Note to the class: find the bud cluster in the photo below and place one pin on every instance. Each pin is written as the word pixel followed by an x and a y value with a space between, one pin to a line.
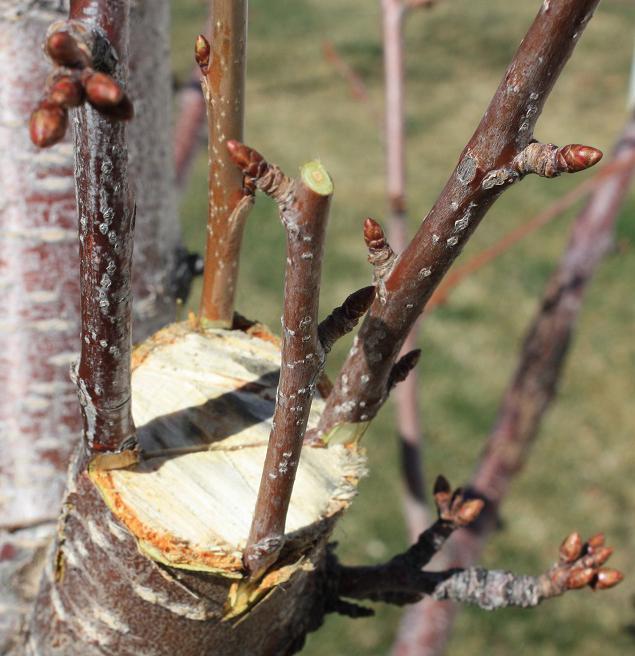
pixel 72 83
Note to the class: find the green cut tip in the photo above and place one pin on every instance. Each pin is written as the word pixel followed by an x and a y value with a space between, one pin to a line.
pixel 316 178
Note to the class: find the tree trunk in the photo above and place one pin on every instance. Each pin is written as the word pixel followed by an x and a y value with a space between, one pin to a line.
pixel 39 292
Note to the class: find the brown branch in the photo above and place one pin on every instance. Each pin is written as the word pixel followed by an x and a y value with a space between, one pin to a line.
pixel 106 222
pixel 505 131
pixel 303 205
pixel 534 385
pixel 223 68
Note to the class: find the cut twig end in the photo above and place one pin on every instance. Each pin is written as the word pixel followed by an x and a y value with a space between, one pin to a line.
pixel 316 178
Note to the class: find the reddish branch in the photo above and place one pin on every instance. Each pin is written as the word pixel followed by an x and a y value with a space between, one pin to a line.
pixel 534 384
pixel 503 134
pixel 106 222
pixel 187 128
pixel 408 412
pixel 401 580
pixel 223 66
pixel 303 204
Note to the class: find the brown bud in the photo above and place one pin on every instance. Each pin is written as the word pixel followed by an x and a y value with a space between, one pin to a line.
pixel 607 578
pixel 403 367
pixel 201 53
pixel 575 157
pixel 373 234
pixel 596 541
pixel 469 511
pixel 578 578
pixel 246 158
pixel 67 92
pixel 102 90
pixel 64 50
pixel 441 485
pixel 601 555
pixel 571 548
pixel 47 124
pixel 358 302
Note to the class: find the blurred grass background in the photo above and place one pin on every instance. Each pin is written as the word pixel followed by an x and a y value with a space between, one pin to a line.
pixel 580 473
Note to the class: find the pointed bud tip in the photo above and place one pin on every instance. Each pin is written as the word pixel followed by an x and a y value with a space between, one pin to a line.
pixel 578 157
pixel 596 541
pixel 372 231
pixel 608 578
pixel 47 125
pixel 201 52
pixel 441 485
pixel 571 548
pixel 243 155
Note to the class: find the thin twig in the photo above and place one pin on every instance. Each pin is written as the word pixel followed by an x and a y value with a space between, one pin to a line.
pixel 188 127
pixel 533 387
pixel 486 167
pixel 303 204
pixel 223 66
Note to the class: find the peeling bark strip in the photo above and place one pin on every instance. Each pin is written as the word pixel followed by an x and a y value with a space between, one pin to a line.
pixel 223 66
pixel 303 205
pixel 505 131
pixel 533 386
pixel 106 223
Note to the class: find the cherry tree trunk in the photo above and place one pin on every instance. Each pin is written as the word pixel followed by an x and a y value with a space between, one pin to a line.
pixel 39 280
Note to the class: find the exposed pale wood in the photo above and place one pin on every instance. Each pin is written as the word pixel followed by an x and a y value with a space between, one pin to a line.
pixel 203 403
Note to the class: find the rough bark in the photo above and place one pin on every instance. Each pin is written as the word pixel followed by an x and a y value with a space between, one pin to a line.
pixel 485 168
pixel 229 203
pixel 303 205
pixel 533 387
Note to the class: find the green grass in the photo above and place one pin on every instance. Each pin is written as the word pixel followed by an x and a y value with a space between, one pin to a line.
pixel 580 472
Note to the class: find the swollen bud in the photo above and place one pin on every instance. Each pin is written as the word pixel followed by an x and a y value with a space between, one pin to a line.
pixel 201 53
pixel 67 92
pixel 64 50
pixel 373 234
pixel 102 90
pixel 601 555
pixel 607 578
pixel 576 157
pixel 596 541
pixel 469 511
pixel 246 158
pixel 571 548
pixel 580 577
pixel 47 124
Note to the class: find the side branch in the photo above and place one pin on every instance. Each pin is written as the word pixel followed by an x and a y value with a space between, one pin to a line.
pixel 303 206
pixel 223 67
pixel 504 132
pixel 402 581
